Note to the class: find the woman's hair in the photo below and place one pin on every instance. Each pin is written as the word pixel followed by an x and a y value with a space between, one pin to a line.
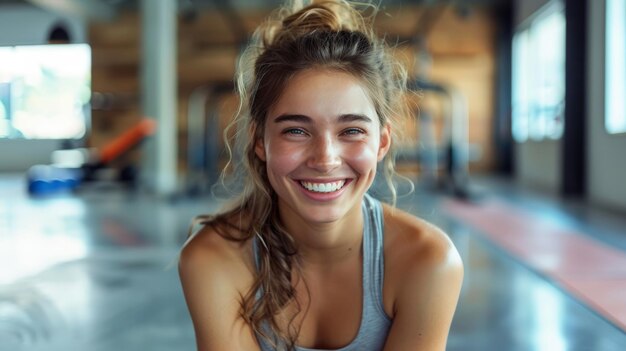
pixel 330 35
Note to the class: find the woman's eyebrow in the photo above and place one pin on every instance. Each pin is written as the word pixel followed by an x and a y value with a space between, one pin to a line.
pixel 353 117
pixel 345 118
pixel 293 118
pixel 348 117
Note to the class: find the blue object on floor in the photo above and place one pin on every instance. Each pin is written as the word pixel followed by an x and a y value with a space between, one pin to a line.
pixel 45 179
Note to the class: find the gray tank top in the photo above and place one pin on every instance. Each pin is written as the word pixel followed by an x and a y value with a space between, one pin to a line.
pixel 375 323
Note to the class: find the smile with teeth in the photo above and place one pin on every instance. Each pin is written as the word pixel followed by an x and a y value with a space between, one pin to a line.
pixel 323 187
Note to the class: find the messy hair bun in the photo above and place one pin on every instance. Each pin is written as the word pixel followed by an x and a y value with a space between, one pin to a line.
pixel 289 23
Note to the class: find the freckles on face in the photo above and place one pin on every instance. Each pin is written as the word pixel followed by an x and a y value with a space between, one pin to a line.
pixel 323 117
pixel 282 156
pixel 321 145
pixel 364 153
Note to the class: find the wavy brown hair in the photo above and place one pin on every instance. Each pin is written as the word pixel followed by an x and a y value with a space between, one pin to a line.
pixel 332 35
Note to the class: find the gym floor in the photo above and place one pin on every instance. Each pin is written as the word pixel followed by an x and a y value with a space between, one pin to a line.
pixel 96 270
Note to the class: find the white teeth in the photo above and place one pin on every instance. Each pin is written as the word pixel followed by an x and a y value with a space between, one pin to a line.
pixel 323 187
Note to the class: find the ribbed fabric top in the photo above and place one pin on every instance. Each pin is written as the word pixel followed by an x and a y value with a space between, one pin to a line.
pixel 375 323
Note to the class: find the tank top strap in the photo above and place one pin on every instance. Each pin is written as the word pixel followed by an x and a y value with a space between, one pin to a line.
pixel 373 254
pixel 255 251
pixel 257 263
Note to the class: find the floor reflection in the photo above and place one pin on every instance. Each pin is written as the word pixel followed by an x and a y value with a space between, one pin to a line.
pixel 547 313
pixel 36 235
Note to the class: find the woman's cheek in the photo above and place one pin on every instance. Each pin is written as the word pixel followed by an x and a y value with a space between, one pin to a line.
pixel 362 157
pixel 284 157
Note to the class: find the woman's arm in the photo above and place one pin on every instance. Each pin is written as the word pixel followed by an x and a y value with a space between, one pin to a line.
pixel 210 274
pixel 427 293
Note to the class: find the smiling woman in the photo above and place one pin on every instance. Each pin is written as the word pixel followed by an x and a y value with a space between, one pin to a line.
pixel 304 258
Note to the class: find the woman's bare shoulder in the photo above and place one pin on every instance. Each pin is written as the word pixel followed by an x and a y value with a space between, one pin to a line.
pixel 423 279
pixel 412 240
pixel 215 273
pixel 218 247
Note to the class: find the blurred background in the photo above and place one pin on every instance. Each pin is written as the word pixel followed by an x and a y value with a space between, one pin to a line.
pixel 111 122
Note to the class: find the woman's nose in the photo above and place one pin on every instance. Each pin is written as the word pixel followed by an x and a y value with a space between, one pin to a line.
pixel 324 155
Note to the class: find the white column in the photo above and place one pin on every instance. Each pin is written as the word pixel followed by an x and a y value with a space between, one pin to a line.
pixel 159 82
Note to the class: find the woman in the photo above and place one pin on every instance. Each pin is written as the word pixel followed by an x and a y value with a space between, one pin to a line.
pixel 304 259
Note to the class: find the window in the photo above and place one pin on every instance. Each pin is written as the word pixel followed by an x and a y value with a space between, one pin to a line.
pixel 45 91
pixel 538 89
pixel 615 88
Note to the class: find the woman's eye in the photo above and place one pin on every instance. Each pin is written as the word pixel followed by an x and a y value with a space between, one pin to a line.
pixel 294 131
pixel 353 131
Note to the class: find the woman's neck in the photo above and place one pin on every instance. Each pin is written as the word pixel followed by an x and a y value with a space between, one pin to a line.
pixel 325 244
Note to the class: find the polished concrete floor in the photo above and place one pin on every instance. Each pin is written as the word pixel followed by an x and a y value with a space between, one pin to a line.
pixel 95 271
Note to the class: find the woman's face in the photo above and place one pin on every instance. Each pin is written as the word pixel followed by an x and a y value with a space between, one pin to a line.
pixel 321 144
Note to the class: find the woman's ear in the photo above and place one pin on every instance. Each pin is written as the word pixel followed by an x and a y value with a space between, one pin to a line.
pixel 385 142
pixel 259 149
pixel 259 144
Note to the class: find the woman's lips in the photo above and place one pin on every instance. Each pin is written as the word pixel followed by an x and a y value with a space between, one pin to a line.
pixel 323 190
pixel 323 187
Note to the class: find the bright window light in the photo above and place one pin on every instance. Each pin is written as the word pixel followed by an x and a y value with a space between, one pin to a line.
pixel 538 89
pixel 45 91
pixel 615 90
